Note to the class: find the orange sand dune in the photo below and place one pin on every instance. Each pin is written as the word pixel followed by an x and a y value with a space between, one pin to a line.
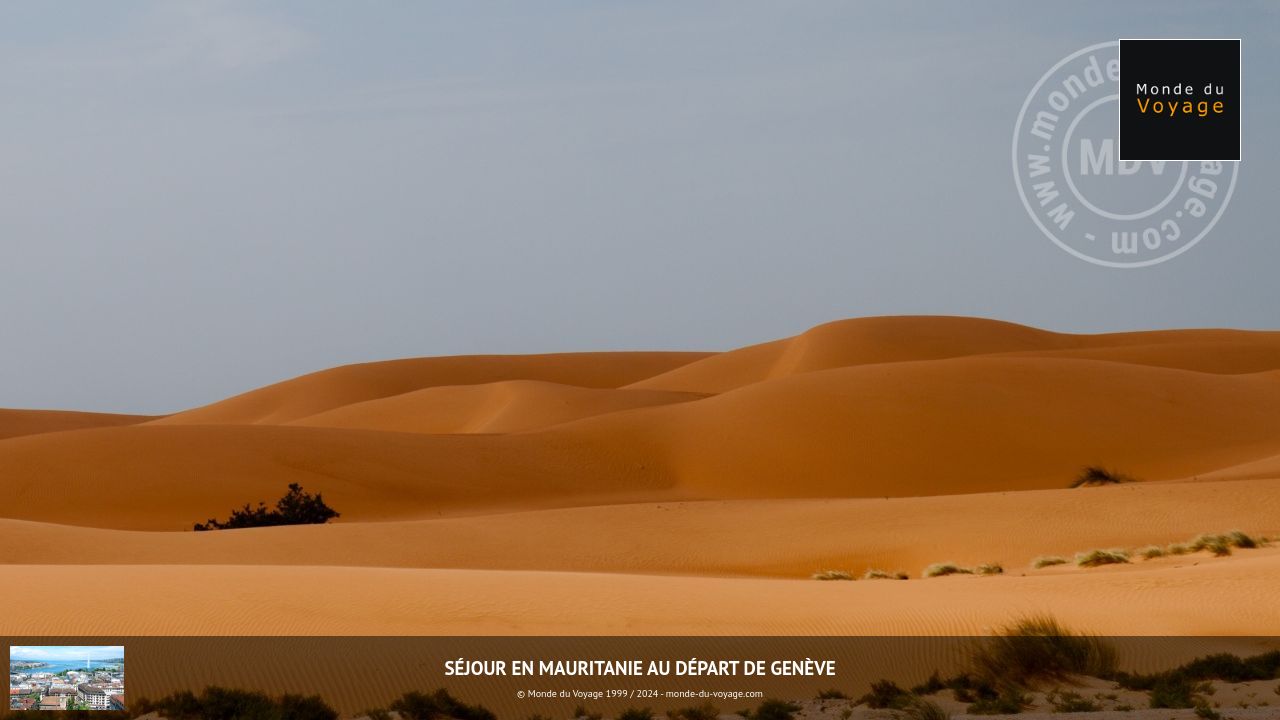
pixel 943 427
pixel 1259 353
pixel 865 341
pixel 16 423
pixel 962 425
pixel 503 407
pixel 723 538
pixel 652 493
pixel 328 389
pixel 1235 596
pixel 165 477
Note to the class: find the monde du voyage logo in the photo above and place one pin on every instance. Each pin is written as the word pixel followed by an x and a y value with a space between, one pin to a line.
pixel 1177 173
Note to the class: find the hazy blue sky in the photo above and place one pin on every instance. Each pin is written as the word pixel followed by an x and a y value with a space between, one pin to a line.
pixel 203 197
pixel 51 653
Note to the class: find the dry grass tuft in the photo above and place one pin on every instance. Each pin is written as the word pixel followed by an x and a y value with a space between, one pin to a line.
pixel 876 574
pixel 990 569
pixel 943 569
pixel 1099 557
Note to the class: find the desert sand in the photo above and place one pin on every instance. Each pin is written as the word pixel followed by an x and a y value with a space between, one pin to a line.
pixel 673 493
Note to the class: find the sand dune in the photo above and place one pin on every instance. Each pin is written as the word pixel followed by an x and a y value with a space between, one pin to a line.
pixel 945 427
pixel 157 477
pixel 865 341
pixel 965 425
pixel 328 389
pixel 502 407
pixel 17 423
pixel 721 538
pixel 266 600
pixel 648 493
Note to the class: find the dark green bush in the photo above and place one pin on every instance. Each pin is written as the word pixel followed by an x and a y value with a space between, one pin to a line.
pixel 295 508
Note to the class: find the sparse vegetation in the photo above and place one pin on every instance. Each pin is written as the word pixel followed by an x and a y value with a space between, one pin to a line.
pixel 1009 702
pixel 295 508
pixel 933 685
pixel 832 575
pixel 1151 552
pixel 775 710
pixel 926 710
pixel 438 705
pixel 1039 648
pixel 636 714
pixel 946 568
pixel 1095 475
pixel 989 569
pixel 1207 713
pixel 706 711
pixel 876 574
pixel 216 703
pixel 832 694
pixel 1045 561
pixel 1096 558
pixel 886 694
pixel 1064 701
pixel 1219 545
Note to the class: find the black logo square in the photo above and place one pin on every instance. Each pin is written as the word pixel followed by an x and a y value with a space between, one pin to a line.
pixel 1179 99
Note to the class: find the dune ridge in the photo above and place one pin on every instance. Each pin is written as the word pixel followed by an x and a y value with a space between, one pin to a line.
pixel 529 493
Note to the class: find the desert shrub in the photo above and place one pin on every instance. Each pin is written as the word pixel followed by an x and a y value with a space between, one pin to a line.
pixel 832 694
pixel 1009 702
pixel 706 711
pixel 1094 475
pixel 967 688
pixel 1151 552
pixel 1207 713
pixel 1039 648
pixel 775 710
pixel 216 703
pixel 876 574
pixel 581 711
pixel 1242 540
pixel 934 684
pixel 886 694
pixel 1219 545
pixel 636 714
pixel 1173 691
pixel 438 706
pixel 1095 558
pixel 1178 549
pixel 926 710
pixel 1045 561
pixel 1232 668
pixel 832 575
pixel 1064 701
pixel 946 568
pixel 295 508
pixel 990 569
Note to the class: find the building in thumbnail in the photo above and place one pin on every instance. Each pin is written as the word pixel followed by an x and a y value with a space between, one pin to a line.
pixel 95 698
